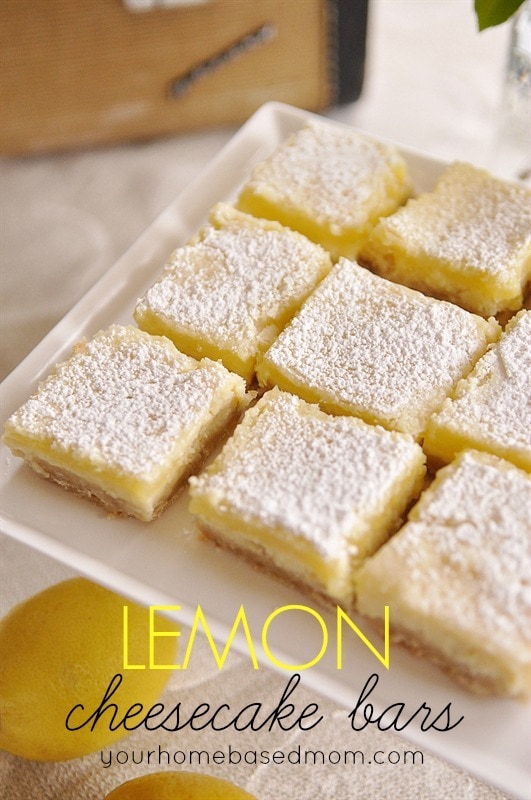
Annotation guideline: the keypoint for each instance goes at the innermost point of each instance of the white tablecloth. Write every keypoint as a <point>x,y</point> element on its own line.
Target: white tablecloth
<point>432,82</point>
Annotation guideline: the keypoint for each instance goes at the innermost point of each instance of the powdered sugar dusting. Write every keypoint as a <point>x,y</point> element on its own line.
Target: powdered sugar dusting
<point>290,466</point>
<point>470,536</point>
<point>378,349</point>
<point>236,282</point>
<point>337,175</point>
<point>471,220</point>
<point>494,403</point>
<point>121,401</point>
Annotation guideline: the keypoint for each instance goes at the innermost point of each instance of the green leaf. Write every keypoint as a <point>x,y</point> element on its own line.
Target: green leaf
<point>494,12</point>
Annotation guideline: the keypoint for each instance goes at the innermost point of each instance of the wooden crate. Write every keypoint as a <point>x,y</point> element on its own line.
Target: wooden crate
<point>82,73</point>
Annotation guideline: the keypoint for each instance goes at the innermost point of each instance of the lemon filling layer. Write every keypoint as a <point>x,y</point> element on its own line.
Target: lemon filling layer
<point>125,418</point>
<point>228,294</point>
<point>330,184</point>
<point>310,493</point>
<point>456,576</point>
<point>468,240</point>
<point>491,409</point>
<point>364,346</point>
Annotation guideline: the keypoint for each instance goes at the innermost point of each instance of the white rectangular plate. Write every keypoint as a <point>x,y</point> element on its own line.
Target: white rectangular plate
<point>166,563</point>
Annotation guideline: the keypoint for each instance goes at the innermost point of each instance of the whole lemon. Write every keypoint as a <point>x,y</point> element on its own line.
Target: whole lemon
<point>62,648</point>
<point>178,786</point>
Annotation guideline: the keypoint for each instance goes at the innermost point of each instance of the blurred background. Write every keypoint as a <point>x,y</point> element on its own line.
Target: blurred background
<point>110,107</point>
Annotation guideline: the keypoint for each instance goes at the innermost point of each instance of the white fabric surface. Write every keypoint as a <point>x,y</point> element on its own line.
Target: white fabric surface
<point>432,82</point>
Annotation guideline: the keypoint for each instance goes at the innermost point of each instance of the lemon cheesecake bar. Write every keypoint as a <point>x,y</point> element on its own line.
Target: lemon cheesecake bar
<point>305,494</point>
<point>227,294</point>
<point>365,346</point>
<point>491,409</point>
<point>330,183</point>
<point>456,577</point>
<point>125,419</point>
<point>467,241</point>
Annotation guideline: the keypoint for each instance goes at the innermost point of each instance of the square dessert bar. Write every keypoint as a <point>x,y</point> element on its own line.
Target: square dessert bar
<point>457,577</point>
<point>330,183</point>
<point>307,495</point>
<point>491,409</point>
<point>467,241</point>
<point>125,419</point>
<point>228,294</point>
<point>364,346</point>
